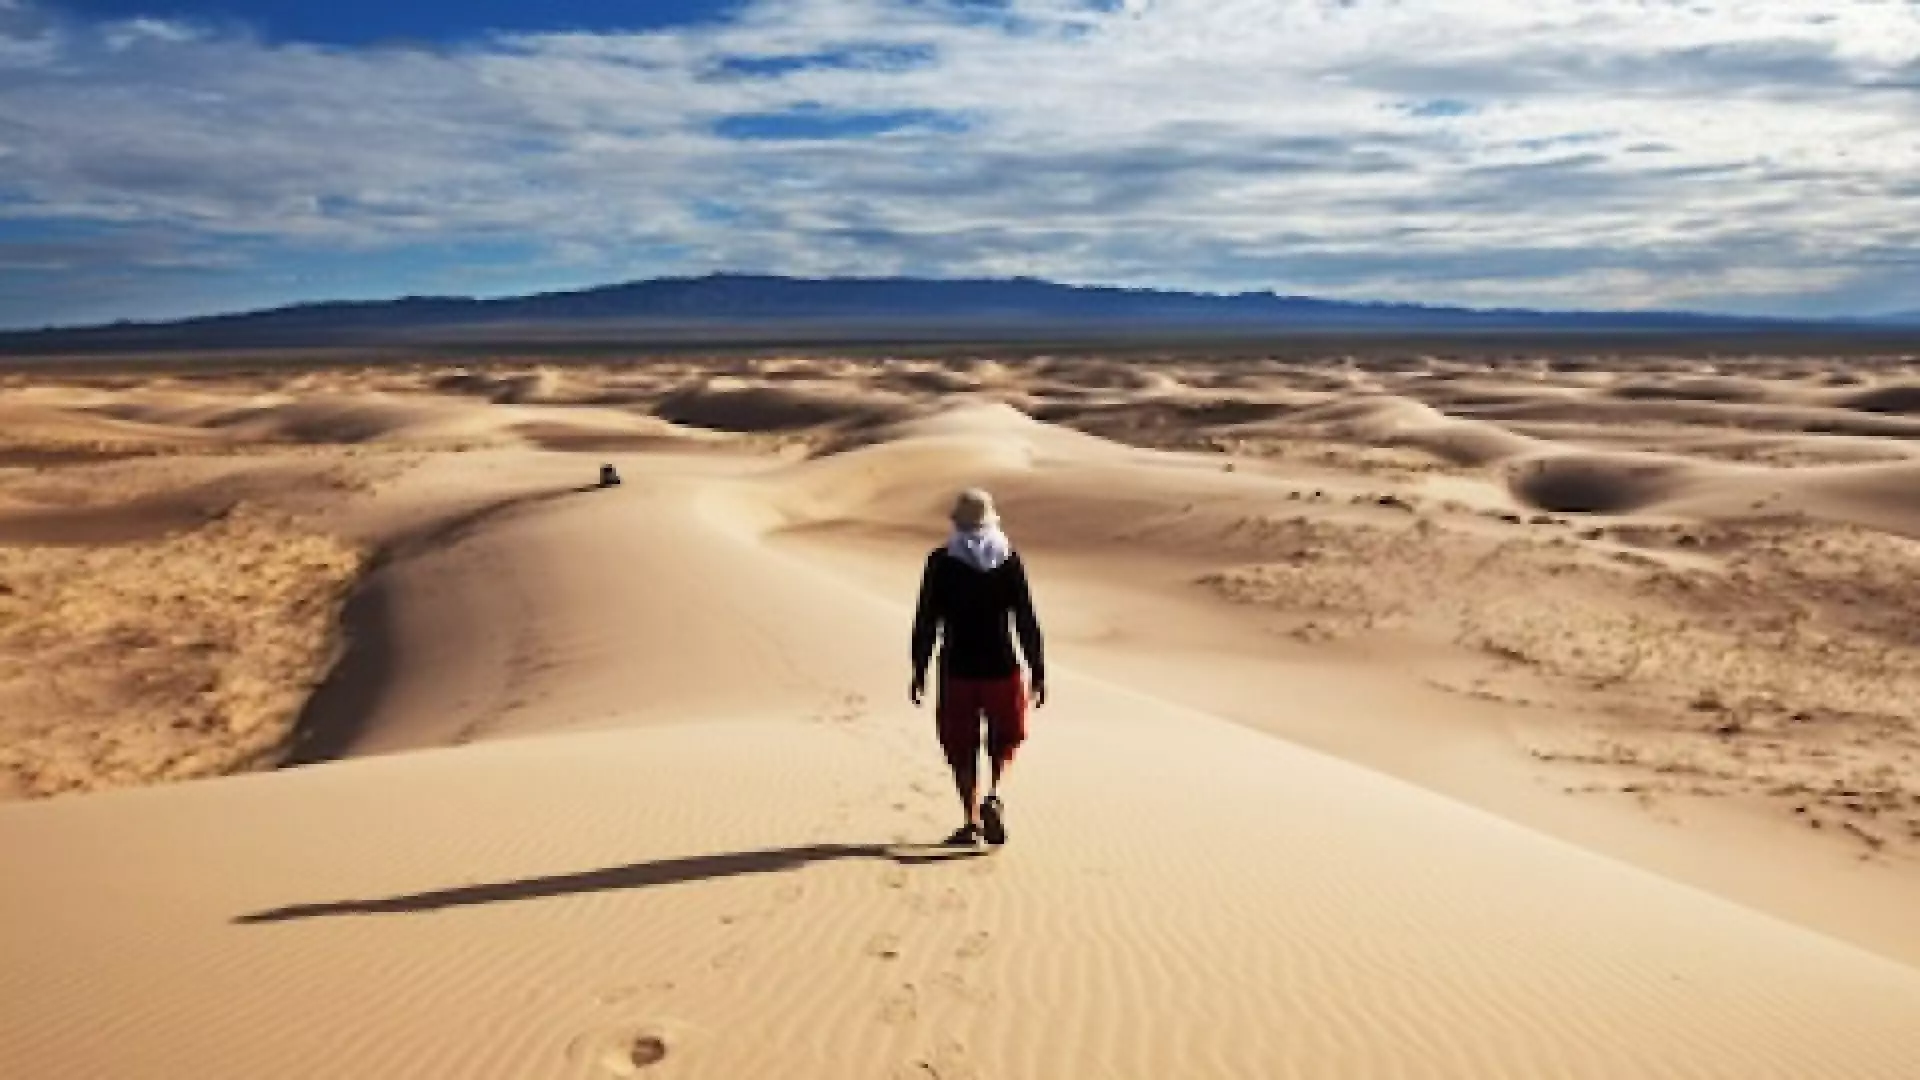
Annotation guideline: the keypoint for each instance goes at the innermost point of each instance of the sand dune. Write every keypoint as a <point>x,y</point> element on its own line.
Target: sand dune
<point>1808,419</point>
<point>599,430</point>
<point>1728,389</point>
<point>1897,398</point>
<point>1395,731</point>
<point>1602,484</point>
<point>34,434</point>
<point>619,905</point>
<point>736,405</point>
<point>626,909</point>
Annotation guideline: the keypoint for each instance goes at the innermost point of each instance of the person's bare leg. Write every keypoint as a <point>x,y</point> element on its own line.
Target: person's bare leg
<point>993,822</point>
<point>966,779</point>
<point>1000,762</point>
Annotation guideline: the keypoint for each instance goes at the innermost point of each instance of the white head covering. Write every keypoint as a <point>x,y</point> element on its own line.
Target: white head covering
<point>977,539</point>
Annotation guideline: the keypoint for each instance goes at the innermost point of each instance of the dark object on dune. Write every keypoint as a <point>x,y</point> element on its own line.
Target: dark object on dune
<point>609,476</point>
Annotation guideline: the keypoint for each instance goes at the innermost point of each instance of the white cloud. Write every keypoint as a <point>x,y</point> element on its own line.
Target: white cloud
<point>1549,151</point>
<point>126,34</point>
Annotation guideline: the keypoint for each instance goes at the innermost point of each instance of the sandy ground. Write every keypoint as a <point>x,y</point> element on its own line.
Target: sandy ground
<point>1427,716</point>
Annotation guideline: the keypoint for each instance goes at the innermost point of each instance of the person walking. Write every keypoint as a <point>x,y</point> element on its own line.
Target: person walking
<point>973,587</point>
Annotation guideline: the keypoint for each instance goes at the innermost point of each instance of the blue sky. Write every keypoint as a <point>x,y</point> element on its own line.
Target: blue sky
<point>162,159</point>
<point>356,23</point>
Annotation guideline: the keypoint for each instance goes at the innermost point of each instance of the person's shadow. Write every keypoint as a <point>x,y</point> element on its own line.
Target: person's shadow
<point>632,876</point>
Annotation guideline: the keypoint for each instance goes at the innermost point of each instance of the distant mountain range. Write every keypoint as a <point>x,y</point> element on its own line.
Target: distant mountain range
<point>743,309</point>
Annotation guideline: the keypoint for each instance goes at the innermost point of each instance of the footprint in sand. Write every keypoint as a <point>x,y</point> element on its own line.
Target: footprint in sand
<point>902,1006</point>
<point>948,900</point>
<point>621,1049</point>
<point>947,1061</point>
<point>844,710</point>
<point>975,945</point>
<point>728,957</point>
<point>884,946</point>
<point>955,985</point>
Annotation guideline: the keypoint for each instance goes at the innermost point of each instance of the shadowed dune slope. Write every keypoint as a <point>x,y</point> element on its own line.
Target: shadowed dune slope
<point>737,405</point>
<point>1896,398</point>
<point>1600,484</point>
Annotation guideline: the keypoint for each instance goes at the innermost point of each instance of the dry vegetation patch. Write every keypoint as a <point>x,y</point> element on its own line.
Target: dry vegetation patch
<point>186,656</point>
<point>1779,658</point>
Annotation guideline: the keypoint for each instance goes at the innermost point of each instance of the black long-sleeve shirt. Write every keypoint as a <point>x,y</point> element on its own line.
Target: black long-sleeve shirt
<point>968,610</point>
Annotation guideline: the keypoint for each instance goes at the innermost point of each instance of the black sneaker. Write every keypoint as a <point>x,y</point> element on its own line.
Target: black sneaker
<point>964,836</point>
<point>992,825</point>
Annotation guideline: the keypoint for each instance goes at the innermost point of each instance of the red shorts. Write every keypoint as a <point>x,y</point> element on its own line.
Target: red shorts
<point>964,701</point>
